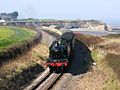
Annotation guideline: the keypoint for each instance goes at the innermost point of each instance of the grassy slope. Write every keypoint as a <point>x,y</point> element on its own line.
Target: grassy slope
<point>89,40</point>
<point>15,67</point>
<point>10,36</point>
<point>107,56</point>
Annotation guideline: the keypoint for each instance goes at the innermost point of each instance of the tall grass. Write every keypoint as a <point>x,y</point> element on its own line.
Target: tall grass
<point>115,36</point>
<point>89,40</point>
<point>16,66</point>
<point>106,54</point>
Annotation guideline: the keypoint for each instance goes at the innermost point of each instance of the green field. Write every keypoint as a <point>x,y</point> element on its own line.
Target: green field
<point>10,36</point>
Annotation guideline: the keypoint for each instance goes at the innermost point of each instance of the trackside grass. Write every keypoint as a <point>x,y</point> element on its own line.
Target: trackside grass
<point>17,71</point>
<point>21,71</point>
<point>107,56</point>
<point>10,36</point>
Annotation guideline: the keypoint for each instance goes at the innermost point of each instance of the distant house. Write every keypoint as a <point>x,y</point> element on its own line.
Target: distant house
<point>2,21</point>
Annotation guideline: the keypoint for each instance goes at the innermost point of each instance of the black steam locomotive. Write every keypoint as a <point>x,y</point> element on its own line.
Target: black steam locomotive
<point>61,51</point>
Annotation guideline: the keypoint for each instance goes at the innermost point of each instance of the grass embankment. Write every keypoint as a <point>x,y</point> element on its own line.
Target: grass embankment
<point>17,72</point>
<point>88,40</point>
<point>106,54</point>
<point>10,36</point>
<point>52,31</point>
<point>15,41</point>
<point>21,71</point>
<point>111,49</point>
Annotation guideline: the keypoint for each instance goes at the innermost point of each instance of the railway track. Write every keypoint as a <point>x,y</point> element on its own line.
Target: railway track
<point>44,82</point>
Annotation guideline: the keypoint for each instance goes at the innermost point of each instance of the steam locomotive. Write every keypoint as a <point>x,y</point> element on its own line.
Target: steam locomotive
<point>60,52</point>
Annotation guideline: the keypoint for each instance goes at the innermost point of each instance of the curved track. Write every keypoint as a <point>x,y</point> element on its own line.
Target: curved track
<point>44,81</point>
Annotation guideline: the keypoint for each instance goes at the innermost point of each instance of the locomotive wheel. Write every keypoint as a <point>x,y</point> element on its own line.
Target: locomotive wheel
<point>62,69</point>
<point>58,70</point>
<point>51,69</point>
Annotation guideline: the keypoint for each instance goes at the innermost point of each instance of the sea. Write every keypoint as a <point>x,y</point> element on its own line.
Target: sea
<point>115,25</point>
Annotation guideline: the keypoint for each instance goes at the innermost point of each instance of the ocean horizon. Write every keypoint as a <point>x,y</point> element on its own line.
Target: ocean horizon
<point>114,23</point>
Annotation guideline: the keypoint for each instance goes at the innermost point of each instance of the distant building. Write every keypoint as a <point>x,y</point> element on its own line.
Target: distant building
<point>9,16</point>
<point>2,21</point>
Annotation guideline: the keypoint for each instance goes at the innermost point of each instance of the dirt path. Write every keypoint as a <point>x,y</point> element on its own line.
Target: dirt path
<point>47,38</point>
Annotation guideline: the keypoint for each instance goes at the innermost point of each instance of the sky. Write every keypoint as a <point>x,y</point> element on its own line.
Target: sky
<point>106,10</point>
